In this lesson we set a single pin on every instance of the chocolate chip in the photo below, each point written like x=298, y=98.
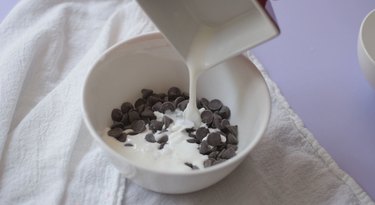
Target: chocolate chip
x=116, y=132
x=141, y=108
x=150, y=138
x=204, y=148
x=231, y=139
x=208, y=162
x=185, y=95
x=163, y=139
x=167, y=106
x=189, y=164
x=204, y=102
x=224, y=112
x=192, y=135
x=122, y=137
x=132, y=133
x=182, y=105
x=218, y=161
x=213, y=154
x=128, y=145
x=235, y=147
x=146, y=93
x=214, y=139
x=133, y=116
x=162, y=95
x=225, y=123
x=155, y=125
x=161, y=146
x=192, y=140
x=116, y=115
x=157, y=106
x=173, y=93
x=207, y=117
x=233, y=129
x=148, y=113
x=195, y=167
x=201, y=133
x=215, y=104
x=167, y=121
x=126, y=106
x=139, y=101
x=117, y=124
x=153, y=99
x=178, y=100
x=125, y=119
x=217, y=121
x=138, y=126
x=189, y=130
x=228, y=153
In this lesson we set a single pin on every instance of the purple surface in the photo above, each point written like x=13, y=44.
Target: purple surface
x=314, y=62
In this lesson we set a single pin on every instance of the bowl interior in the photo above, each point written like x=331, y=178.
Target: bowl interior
x=150, y=62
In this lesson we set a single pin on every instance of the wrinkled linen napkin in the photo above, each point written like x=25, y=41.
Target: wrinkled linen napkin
x=48, y=157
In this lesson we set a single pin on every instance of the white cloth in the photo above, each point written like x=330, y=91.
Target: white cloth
x=47, y=156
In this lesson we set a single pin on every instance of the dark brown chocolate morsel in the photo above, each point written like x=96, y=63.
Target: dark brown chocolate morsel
x=163, y=139
x=122, y=137
x=161, y=146
x=155, y=125
x=189, y=130
x=157, y=106
x=138, y=126
x=224, y=112
x=141, y=108
x=153, y=99
x=192, y=135
x=231, y=139
x=167, y=121
x=208, y=162
x=189, y=164
x=115, y=132
x=126, y=106
x=125, y=119
x=207, y=117
x=133, y=116
x=214, y=139
x=201, y=133
x=204, y=102
x=228, y=153
x=215, y=104
x=218, y=161
x=139, y=101
x=225, y=123
x=148, y=113
x=204, y=148
x=117, y=124
x=150, y=138
x=116, y=115
x=192, y=140
x=233, y=129
x=128, y=145
x=178, y=100
x=182, y=105
x=213, y=154
x=216, y=123
x=167, y=106
x=146, y=93
x=173, y=93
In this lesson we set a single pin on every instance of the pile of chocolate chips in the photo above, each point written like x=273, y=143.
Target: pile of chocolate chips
x=131, y=119
x=216, y=115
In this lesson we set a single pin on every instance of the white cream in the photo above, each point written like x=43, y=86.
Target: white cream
x=196, y=64
x=175, y=153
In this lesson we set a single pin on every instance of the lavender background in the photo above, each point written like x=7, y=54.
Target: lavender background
x=314, y=62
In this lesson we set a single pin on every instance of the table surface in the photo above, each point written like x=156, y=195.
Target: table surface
x=314, y=62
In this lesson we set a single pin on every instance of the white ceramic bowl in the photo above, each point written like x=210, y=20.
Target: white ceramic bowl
x=366, y=47
x=150, y=62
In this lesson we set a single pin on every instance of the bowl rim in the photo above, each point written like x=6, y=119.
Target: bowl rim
x=152, y=36
x=361, y=40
